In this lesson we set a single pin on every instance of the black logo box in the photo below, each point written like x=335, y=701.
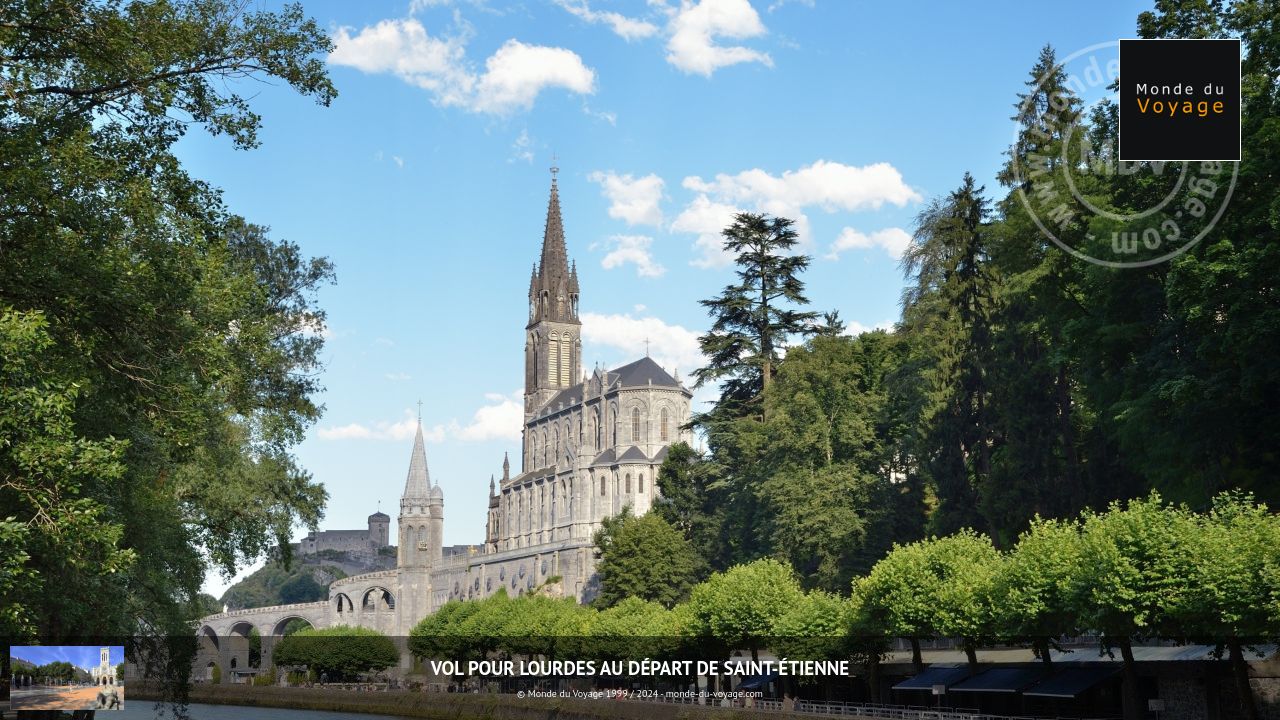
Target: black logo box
x=1160, y=77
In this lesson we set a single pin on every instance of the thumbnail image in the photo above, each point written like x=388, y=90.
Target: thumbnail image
x=66, y=677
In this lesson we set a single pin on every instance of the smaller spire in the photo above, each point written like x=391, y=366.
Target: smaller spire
x=506, y=467
x=491, y=485
x=418, y=482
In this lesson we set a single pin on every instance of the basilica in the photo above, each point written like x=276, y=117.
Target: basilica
x=592, y=445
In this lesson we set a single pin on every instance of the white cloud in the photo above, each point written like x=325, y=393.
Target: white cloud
x=402, y=429
x=501, y=419
x=671, y=346
x=694, y=28
x=398, y=160
x=512, y=79
x=893, y=240
x=516, y=73
x=398, y=377
x=853, y=327
x=633, y=249
x=638, y=201
x=706, y=219
x=522, y=148
x=829, y=185
x=627, y=28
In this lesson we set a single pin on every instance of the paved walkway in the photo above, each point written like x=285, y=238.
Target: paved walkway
x=58, y=698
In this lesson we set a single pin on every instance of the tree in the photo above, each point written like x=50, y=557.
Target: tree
x=950, y=300
x=689, y=503
x=742, y=606
x=185, y=335
x=940, y=586
x=1032, y=591
x=627, y=546
x=753, y=318
x=340, y=651
x=826, y=412
x=1233, y=580
x=1128, y=575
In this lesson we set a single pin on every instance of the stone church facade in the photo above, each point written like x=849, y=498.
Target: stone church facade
x=592, y=445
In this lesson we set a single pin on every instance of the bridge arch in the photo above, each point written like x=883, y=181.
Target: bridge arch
x=282, y=625
x=378, y=599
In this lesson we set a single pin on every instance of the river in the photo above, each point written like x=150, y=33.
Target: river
x=145, y=710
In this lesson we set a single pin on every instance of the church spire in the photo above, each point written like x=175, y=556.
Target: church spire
x=554, y=287
x=418, y=483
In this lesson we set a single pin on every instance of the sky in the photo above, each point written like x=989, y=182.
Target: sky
x=426, y=183
x=82, y=656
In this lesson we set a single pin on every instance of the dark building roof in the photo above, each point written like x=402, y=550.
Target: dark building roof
x=643, y=372
x=379, y=516
x=634, y=374
x=634, y=454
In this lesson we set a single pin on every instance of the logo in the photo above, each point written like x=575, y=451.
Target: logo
x=1082, y=196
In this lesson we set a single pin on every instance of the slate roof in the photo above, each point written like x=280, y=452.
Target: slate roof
x=641, y=372
x=633, y=454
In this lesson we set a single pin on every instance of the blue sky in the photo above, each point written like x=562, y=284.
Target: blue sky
x=426, y=183
x=82, y=656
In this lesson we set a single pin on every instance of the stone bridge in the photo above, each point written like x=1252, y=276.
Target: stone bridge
x=225, y=643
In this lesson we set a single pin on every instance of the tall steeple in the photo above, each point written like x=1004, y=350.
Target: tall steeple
x=418, y=483
x=553, y=343
x=421, y=521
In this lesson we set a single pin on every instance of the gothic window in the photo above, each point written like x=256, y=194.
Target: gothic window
x=553, y=502
x=635, y=424
x=556, y=455
x=553, y=358
x=664, y=425
x=628, y=485
x=602, y=486
x=566, y=350
x=546, y=450
x=641, y=488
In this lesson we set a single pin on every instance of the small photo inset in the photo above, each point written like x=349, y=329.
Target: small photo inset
x=66, y=677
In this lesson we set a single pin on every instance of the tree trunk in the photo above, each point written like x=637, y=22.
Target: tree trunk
x=1132, y=702
x=971, y=654
x=916, y=658
x=873, y=679
x=1042, y=647
x=1240, y=671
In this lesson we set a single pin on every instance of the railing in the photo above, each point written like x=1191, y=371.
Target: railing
x=266, y=610
x=866, y=711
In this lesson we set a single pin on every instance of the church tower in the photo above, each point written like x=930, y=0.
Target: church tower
x=421, y=513
x=553, y=337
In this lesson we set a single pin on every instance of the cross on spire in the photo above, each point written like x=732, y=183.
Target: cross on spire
x=646, y=347
x=554, y=168
x=419, y=410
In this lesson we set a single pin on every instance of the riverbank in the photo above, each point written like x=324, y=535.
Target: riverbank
x=449, y=706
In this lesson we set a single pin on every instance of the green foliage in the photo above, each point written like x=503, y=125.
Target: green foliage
x=644, y=558
x=742, y=606
x=277, y=584
x=341, y=651
x=159, y=354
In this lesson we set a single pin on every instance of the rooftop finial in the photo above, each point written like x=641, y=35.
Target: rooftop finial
x=554, y=168
x=419, y=410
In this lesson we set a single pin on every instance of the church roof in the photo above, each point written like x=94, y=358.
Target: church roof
x=379, y=515
x=418, y=483
x=608, y=457
x=642, y=372
x=634, y=374
x=634, y=454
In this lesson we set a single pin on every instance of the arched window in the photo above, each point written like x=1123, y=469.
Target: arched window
x=641, y=482
x=566, y=358
x=627, y=487
x=602, y=486
x=555, y=457
x=553, y=358
x=664, y=425
x=635, y=424
x=546, y=449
